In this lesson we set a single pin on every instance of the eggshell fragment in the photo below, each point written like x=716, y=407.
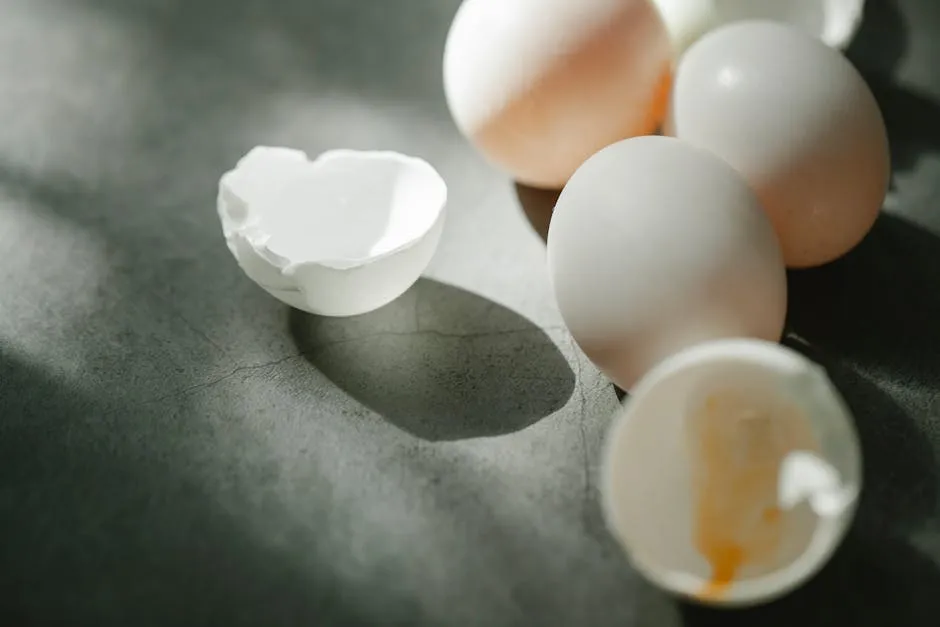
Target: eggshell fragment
x=798, y=121
x=340, y=235
x=834, y=22
x=655, y=245
x=732, y=472
x=538, y=86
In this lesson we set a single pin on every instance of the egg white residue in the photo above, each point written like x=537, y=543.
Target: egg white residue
x=340, y=235
x=732, y=472
x=495, y=50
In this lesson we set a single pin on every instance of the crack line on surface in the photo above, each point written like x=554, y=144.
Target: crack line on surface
x=582, y=431
x=179, y=316
x=318, y=347
x=196, y=330
x=205, y=384
x=434, y=332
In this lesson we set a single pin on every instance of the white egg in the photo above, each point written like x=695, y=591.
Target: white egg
x=538, y=86
x=732, y=472
x=834, y=22
x=340, y=235
x=655, y=245
x=798, y=121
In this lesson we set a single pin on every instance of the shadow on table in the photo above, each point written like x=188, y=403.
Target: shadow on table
x=537, y=205
x=882, y=38
x=105, y=524
x=441, y=363
x=911, y=117
x=879, y=306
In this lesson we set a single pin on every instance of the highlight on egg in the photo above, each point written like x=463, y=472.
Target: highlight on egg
x=341, y=235
x=538, y=86
x=656, y=245
x=834, y=22
x=732, y=472
x=800, y=124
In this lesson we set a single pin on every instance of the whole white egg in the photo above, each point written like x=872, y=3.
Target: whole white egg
x=656, y=245
x=538, y=86
x=798, y=121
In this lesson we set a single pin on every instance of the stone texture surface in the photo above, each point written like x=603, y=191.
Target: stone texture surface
x=177, y=448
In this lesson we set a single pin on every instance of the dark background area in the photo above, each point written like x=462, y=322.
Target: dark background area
x=177, y=448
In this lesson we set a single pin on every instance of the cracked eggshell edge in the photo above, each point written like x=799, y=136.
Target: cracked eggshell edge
x=298, y=284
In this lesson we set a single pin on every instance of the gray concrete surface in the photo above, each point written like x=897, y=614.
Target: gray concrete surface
x=177, y=448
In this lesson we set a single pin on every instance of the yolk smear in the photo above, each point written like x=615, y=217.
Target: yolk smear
x=736, y=454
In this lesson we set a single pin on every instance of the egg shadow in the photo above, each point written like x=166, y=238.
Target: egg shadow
x=441, y=363
x=537, y=206
x=910, y=115
x=911, y=119
x=878, y=306
x=876, y=577
x=881, y=41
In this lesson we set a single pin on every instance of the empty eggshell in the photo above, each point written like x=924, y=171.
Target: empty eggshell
x=655, y=245
x=540, y=85
x=732, y=472
x=834, y=22
x=798, y=121
x=340, y=235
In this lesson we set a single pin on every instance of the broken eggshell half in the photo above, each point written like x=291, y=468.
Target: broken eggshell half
x=732, y=472
x=341, y=235
x=835, y=22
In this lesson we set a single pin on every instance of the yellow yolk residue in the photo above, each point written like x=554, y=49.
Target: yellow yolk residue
x=737, y=449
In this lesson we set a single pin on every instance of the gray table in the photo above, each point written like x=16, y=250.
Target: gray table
x=177, y=448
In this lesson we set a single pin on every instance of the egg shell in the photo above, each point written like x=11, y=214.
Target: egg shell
x=798, y=121
x=834, y=22
x=649, y=475
x=655, y=245
x=341, y=235
x=540, y=85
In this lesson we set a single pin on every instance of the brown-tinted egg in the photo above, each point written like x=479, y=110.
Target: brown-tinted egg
x=538, y=86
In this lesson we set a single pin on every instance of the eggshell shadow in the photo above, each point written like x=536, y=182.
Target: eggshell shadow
x=441, y=363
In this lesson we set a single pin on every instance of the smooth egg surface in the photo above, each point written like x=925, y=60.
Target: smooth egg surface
x=655, y=245
x=538, y=86
x=798, y=121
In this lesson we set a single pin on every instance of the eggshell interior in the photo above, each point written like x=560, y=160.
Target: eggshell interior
x=343, y=209
x=653, y=470
x=339, y=235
